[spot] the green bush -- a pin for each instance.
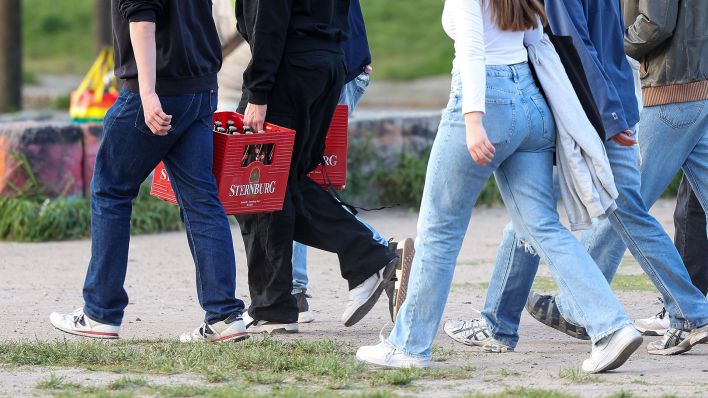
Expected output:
(402, 185)
(33, 219)
(672, 190)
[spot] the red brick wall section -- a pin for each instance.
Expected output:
(91, 139)
(54, 152)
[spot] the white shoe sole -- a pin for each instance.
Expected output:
(359, 314)
(88, 333)
(279, 328)
(233, 337)
(384, 365)
(305, 317)
(620, 356)
(650, 332)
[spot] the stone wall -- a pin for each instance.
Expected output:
(61, 155)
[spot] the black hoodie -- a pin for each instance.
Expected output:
(275, 27)
(188, 48)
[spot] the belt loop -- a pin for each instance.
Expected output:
(514, 74)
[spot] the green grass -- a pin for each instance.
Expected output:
(523, 393)
(577, 376)
(546, 284)
(406, 38)
(128, 387)
(255, 362)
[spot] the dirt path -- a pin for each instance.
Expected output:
(40, 278)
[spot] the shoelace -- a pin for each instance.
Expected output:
(661, 314)
(392, 349)
(78, 316)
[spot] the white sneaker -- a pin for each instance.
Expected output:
(254, 326)
(654, 326)
(80, 324)
(219, 332)
(388, 356)
(363, 297)
(612, 351)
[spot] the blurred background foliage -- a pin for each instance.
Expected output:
(407, 40)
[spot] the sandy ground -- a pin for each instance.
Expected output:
(40, 278)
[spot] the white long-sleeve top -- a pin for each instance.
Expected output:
(480, 42)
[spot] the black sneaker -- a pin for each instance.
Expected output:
(304, 313)
(545, 310)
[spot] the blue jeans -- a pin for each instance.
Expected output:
(671, 137)
(520, 125)
(127, 155)
(351, 95)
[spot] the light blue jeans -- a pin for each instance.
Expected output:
(520, 125)
(351, 95)
(671, 137)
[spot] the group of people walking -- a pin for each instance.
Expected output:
(510, 114)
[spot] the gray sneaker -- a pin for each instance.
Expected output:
(677, 341)
(474, 333)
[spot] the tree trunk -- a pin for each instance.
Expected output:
(10, 55)
(102, 24)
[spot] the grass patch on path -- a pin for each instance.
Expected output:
(127, 387)
(258, 362)
(546, 284)
(523, 393)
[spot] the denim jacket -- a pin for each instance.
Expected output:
(597, 29)
(587, 185)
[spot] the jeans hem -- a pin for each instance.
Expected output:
(403, 350)
(506, 341)
(600, 336)
(687, 325)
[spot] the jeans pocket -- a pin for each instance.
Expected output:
(500, 120)
(176, 106)
(681, 115)
(539, 102)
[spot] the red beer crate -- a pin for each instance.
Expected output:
(335, 157)
(251, 170)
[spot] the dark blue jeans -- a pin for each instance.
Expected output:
(128, 153)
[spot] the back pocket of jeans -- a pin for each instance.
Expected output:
(539, 102)
(681, 115)
(499, 120)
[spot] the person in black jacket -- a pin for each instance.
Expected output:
(167, 52)
(294, 80)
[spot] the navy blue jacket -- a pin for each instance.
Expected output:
(597, 29)
(356, 48)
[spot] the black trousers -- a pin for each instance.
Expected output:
(690, 239)
(304, 97)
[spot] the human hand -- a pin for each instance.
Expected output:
(478, 144)
(157, 121)
(624, 138)
(255, 117)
